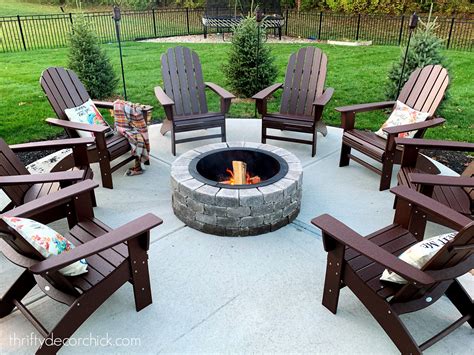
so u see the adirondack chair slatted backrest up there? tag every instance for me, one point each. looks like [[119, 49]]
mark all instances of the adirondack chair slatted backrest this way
[[23, 249], [11, 165], [183, 81], [304, 81], [64, 90], [469, 172], [425, 88], [457, 254]]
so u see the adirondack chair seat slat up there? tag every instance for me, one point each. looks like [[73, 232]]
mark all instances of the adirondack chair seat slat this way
[[423, 91]]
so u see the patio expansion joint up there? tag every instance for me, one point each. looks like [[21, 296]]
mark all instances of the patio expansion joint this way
[[202, 321], [313, 162], [306, 227]]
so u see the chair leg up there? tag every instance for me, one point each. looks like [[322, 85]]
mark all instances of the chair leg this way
[[105, 170], [264, 133], [315, 139], [140, 274], [93, 200], [386, 177], [223, 132], [17, 291], [461, 300], [345, 151], [333, 279], [173, 142]]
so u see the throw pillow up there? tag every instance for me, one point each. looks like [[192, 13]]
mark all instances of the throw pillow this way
[[418, 255], [87, 113], [47, 241], [402, 115]]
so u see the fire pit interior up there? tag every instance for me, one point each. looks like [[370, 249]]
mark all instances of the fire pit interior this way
[[238, 168], [236, 188]]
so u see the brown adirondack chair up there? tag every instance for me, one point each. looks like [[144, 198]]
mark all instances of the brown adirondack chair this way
[[21, 187], [452, 191], [114, 258], [64, 90], [184, 97], [302, 101], [358, 262], [423, 91]]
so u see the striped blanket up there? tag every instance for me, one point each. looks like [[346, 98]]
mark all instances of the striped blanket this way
[[130, 123]]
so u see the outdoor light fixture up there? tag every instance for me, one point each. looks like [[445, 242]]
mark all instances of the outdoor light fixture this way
[[412, 25], [117, 16]]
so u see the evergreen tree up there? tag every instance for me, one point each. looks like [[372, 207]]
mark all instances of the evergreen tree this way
[[247, 52], [90, 62], [425, 48]]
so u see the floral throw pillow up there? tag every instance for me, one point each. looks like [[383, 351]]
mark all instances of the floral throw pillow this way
[[47, 241], [87, 113], [418, 255], [401, 115]]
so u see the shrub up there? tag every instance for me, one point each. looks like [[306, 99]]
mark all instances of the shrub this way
[[247, 51], [90, 62], [425, 48]]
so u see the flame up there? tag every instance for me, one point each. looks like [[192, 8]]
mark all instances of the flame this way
[[249, 179]]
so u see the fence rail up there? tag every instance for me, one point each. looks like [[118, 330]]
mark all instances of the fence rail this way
[[22, 33]]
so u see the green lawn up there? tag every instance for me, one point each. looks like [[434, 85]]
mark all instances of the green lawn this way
[[18, 7], [356, 73]]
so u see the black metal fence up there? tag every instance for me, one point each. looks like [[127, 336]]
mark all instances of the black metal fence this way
[[19, 33]]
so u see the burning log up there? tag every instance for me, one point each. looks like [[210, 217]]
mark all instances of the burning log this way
[[240, 172], [239, 175]]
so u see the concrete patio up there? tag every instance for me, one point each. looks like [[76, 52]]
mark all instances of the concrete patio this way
[[253, 294]]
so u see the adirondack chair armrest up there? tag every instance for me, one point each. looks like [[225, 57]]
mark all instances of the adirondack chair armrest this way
[[414, 126], [52, 144], [343, 234], [435, 144], [164, 99], [365, 107], [61, 197], [223, 93], [226, 97], [263, 94], [442, 213], [120, 235], [62, 176], [96, 129], [440, 180], [324, 98], [104, 104]]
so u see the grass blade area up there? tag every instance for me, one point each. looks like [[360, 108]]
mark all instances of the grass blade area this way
[[357, 74]]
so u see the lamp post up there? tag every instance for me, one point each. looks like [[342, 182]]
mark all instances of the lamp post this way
[[412, 25], [258, 18], [117, 16]]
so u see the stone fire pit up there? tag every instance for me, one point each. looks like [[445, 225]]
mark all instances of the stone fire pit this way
[[238, 210]]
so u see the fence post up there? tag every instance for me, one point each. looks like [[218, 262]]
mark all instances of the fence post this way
[[320, 24], [450, 33], [187, 19], [21, 32], [401, 30], [358, 28], [286, 22], [154, 21]]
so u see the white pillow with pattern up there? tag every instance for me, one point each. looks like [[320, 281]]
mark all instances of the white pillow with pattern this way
[[46, 241], [418, 255], [402, 115]]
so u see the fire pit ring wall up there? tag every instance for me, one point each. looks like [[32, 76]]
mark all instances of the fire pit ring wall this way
[[236, 212]]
